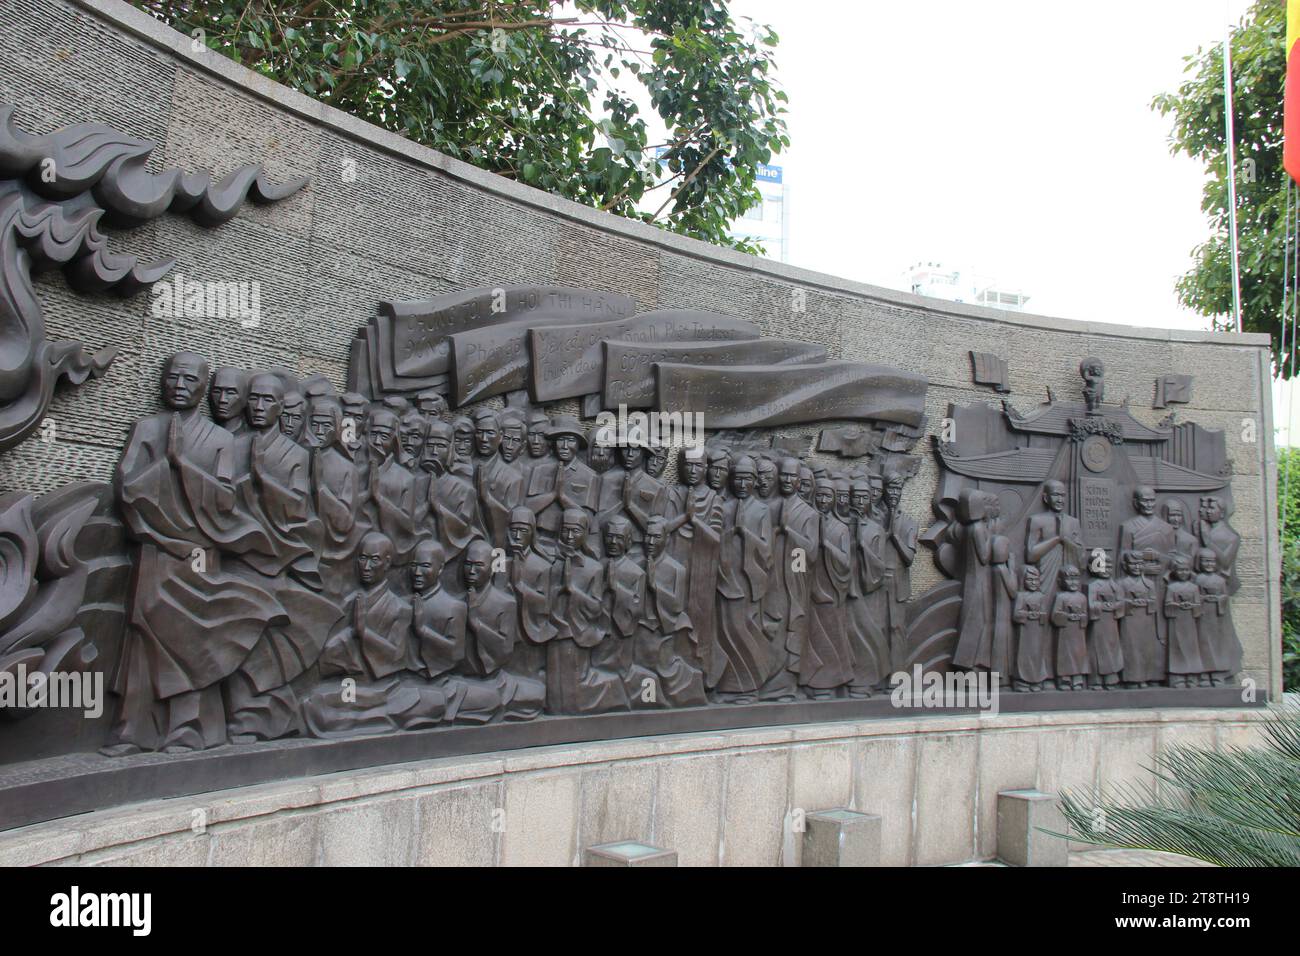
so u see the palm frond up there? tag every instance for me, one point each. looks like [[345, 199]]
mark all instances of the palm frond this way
[[1239, 807]]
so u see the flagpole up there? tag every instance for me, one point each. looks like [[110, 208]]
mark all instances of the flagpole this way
[[1232, 172]]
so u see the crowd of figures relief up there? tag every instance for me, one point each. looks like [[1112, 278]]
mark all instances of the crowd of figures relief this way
[[310, 562]]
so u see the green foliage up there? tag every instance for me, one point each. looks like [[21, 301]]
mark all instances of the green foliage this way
[[1291, 613], [523, 89], [1239, 807], [1197, 108], [1288, 506]]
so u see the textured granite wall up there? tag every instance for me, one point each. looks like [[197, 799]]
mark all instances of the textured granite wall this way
[[383, 218]]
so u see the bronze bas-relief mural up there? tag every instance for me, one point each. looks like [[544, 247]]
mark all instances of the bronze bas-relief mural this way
[[276, 558], [314, 563], [339, 566]]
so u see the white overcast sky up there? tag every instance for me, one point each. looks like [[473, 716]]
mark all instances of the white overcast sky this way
[[1011, 137]]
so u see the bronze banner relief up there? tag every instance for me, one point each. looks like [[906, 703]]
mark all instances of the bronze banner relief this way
[[277, 558]]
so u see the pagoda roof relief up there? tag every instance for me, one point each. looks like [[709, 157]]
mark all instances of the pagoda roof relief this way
[[1054, 418]]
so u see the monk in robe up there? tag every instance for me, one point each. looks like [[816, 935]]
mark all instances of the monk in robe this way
[[1106, 608], [775, 603], [412, 430], [493, 617], [498, 482], [796, 524], [764, 478], [1070, 619], [744, 568], [336, 484], [539, 470], [1182, 608], [866, 604], [1147, 533], [976, 635], [1140, 639], [462, 428], [575, 484], [532, 575], [574, 684], [538, 438], [718, 473], [432, 404], [1212, 531], [390, 499], [806, 485], [827, 659], [645, 495], [1220, 648], [609, 464], [278, 490], [437, 618], [1054, 538], [901, 535], [1150, 536], [227, 397], [663, 638], [1034, 666], [451, 497], [189, 621], [293, 416], [371, 663], [439, 623], [374, 639], [1003, 573], [1185, 542], [278, 495], [699, 526], [625, 587]]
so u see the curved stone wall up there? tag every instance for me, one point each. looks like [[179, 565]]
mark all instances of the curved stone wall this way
[[382, 218], [731, 800]]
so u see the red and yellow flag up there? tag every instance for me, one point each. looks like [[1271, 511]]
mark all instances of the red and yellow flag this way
[[1291, 99]]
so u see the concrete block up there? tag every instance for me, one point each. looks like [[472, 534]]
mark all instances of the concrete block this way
[[628, 853], [1021, 842], [841, 838]]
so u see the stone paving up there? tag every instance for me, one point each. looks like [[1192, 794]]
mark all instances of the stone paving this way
[[1132, 858], [1117, 858]]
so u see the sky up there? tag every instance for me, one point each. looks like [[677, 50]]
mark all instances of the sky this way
[[1013, 138]]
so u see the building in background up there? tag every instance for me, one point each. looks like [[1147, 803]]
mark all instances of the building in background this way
[[768, 223], [962, 285]]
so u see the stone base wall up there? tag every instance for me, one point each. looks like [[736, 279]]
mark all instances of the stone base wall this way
[[727, 799]]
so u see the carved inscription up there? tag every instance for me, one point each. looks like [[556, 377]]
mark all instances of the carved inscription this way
[[751, 396], [1097, 512], [629, 366], [568, 360], [417, 331]]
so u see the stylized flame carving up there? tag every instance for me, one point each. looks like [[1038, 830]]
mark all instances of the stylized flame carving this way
[[54, 190]]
